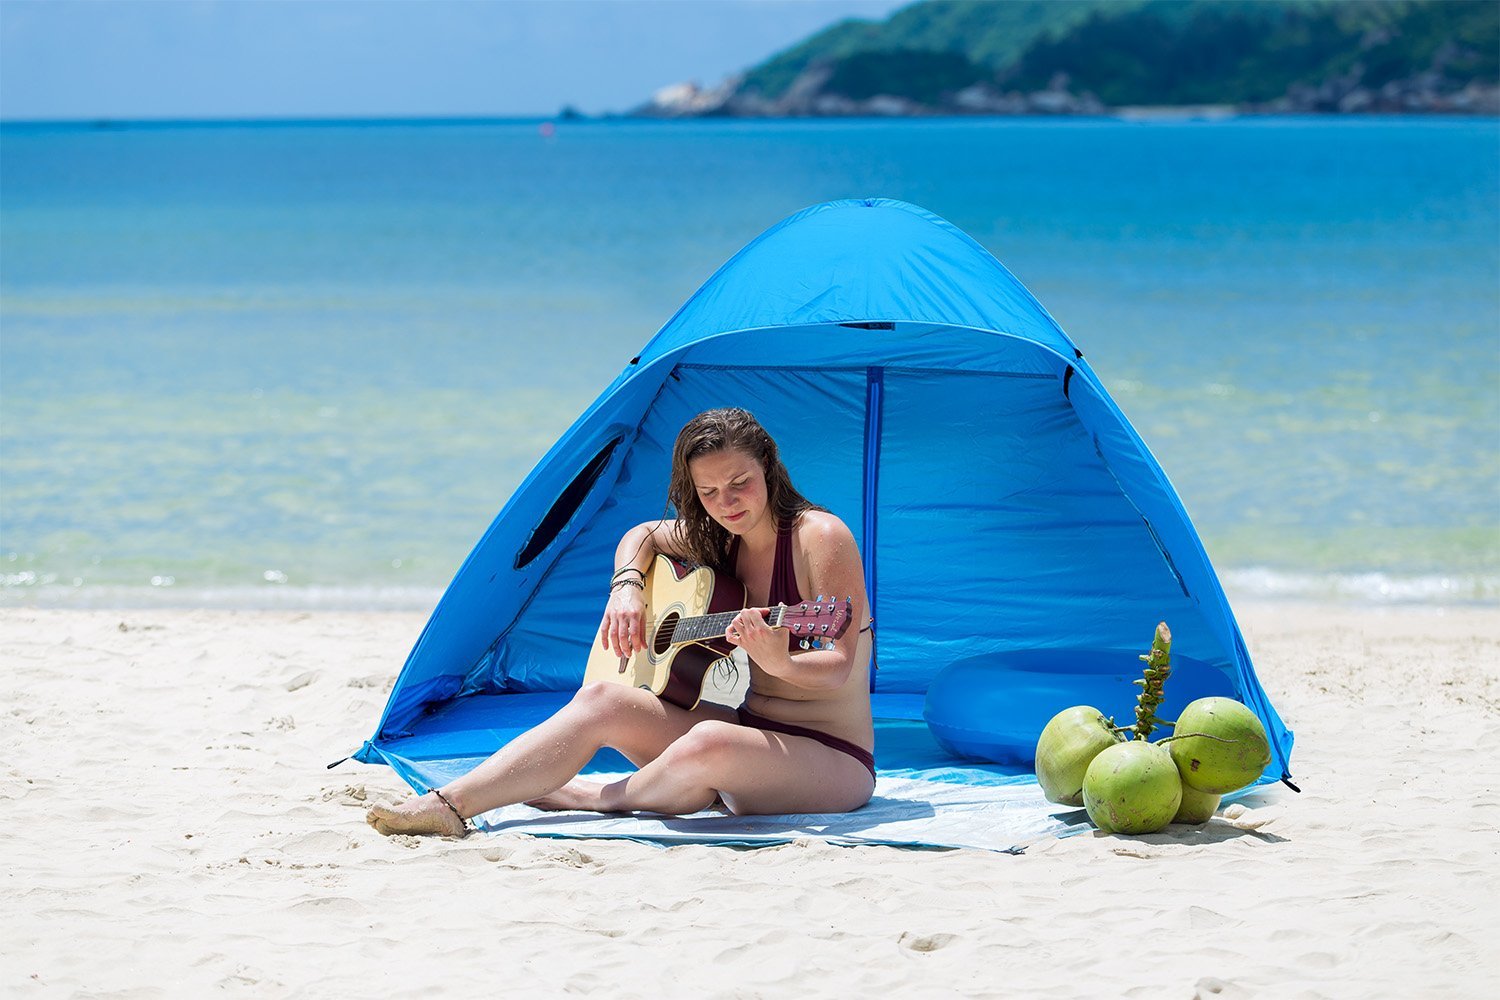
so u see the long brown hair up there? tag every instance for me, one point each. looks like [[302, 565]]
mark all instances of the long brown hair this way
[[730, 428]]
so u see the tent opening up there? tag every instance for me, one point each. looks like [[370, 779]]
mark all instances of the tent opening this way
[[565, 506]]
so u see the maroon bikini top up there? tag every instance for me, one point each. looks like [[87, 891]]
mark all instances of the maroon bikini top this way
[[783, 574]]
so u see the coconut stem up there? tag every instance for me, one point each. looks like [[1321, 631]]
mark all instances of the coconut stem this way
[[1158, 669], [1183, 736]]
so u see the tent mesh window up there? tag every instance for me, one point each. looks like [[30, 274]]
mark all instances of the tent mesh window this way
[[565, 506]]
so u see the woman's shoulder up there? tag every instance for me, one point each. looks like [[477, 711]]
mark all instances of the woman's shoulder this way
[[821, 528]]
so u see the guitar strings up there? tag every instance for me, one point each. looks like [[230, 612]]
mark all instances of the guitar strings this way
[[698, 620]]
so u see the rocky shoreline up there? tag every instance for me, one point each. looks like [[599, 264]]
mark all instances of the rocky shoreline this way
[[1424, 94]]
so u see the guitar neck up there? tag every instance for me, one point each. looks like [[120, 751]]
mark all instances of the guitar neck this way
[[701, 627]]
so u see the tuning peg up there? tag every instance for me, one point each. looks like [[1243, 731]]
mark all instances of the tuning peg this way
[[804, 644], [820, 598]]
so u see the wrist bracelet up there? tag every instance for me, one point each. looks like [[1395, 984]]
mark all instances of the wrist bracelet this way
[[626, 569], [627, 583]]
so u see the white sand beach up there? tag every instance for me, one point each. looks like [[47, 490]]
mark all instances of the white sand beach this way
[[171, 831]]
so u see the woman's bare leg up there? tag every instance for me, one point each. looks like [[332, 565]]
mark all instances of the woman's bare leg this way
[[541, 760], [754, 771]]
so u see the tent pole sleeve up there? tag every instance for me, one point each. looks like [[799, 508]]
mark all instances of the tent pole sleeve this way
[[874, 403]]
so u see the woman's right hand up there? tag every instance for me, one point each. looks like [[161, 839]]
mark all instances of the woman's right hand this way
[[624, 627]]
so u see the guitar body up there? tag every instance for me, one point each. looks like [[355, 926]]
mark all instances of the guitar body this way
[[674, 672]]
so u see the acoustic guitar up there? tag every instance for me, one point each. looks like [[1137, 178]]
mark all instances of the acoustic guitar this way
[[687, 610]]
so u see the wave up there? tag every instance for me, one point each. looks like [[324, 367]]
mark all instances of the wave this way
[[238, 598], [1363, 588], [1256, 583]]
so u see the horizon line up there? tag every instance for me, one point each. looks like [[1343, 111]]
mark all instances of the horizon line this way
[[112, 121], [572, 115]]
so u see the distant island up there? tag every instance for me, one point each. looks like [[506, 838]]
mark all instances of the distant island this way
[[1130, 58]]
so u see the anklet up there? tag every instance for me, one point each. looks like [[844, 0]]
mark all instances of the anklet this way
[[444, 800]]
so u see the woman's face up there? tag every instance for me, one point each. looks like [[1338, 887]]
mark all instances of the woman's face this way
[[731, 486]]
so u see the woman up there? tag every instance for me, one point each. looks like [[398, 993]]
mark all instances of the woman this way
[[801, 742]]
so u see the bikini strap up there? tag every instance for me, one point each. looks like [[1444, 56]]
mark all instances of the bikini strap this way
[[783, 572]]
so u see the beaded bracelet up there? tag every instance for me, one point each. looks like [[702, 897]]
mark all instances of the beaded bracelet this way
[[626, 569], [638, 585]]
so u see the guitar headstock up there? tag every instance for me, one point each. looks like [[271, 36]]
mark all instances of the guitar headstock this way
[[820, 621]]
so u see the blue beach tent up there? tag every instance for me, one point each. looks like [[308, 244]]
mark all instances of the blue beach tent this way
[[1020, 541]]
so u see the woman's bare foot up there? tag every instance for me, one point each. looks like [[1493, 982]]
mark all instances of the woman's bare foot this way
[[425, 815], [576, 794]]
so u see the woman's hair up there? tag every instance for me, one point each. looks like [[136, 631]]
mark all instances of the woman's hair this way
[[731, 428]]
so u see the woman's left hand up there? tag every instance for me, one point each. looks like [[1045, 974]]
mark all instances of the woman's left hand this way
[[750, 632]]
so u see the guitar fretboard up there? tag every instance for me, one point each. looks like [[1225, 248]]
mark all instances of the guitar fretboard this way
[[701, 627]]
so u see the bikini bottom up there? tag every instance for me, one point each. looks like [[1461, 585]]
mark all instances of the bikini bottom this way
[[749, 718]]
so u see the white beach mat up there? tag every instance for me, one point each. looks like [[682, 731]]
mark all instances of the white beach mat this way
[[904, 811]]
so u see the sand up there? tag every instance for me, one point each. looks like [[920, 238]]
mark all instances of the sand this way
[[171, 830]]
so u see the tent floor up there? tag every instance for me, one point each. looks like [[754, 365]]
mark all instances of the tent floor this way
[[924, 796]]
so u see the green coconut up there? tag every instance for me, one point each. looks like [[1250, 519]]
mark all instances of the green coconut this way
[[1132, 788], [1219, 746], [1197, 807], [1068, 744]]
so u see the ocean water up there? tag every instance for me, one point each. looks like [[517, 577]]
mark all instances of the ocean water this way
[[265, 364]]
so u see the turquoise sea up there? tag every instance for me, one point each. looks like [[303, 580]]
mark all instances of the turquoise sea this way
[[265, 364]]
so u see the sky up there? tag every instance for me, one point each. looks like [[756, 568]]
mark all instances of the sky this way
[[91, 59]]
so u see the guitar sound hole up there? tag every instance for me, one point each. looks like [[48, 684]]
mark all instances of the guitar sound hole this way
[[662, 640]]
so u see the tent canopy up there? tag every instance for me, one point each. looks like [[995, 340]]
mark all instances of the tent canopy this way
[[1002, 503]]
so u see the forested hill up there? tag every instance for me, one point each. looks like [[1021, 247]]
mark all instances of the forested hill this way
[[1090, 56]]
